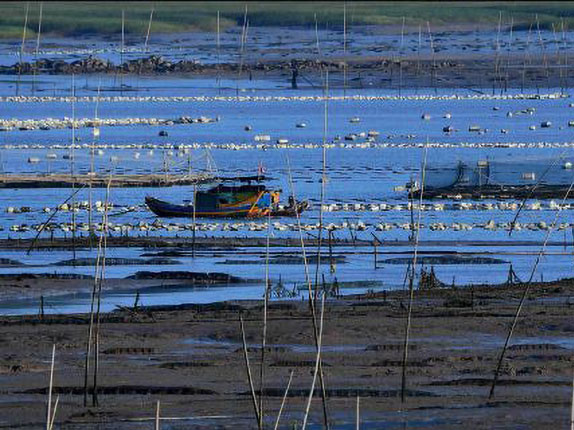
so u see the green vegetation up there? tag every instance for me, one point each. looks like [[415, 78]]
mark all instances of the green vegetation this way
[[76, 18]]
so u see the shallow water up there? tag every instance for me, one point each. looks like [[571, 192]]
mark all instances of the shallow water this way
[[359, 267], [355, 175]]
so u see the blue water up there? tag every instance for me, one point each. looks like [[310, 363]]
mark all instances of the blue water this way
[[356, 174]]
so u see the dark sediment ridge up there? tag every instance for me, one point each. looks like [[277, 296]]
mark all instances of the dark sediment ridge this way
[[117, 262], [193, 277], [185, 244], [409, 72], [445, 259]]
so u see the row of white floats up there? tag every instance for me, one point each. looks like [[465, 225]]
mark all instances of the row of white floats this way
[[293, 227], [186, 99], [501, 206], [335, 207], [308, 145], [60, 123]]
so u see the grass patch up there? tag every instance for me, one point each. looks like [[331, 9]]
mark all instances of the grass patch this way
[[77, 18]]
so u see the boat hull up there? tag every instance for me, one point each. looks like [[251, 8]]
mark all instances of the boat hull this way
[[166, 209]]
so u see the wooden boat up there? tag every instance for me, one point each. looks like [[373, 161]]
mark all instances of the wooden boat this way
[[222, 201], [245, 201]]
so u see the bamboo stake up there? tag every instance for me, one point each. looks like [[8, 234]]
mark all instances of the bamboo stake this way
[[95, 134], [217, 43], [148, 30], [22, 48], [157, 416], [357, 423], [400, 57], [411, 285], [323, 181], [317, 362], [317, 35], [344, 49], [496, 58], [72, 155], [249, 376], [526, 291], [99, 295], [48, 413], [37, 48], [544, 59], [242, 48], [283, 401], [433, 72], [43, 226], [310, 297], [572, 407], [565, 54], [54, 411], [264, 337], [92, 307]]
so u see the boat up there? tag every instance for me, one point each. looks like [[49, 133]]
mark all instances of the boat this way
[[225, 201], [221, 201]]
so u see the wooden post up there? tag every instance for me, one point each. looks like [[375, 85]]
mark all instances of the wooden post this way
[[331, 264], [375, 253], [41, 307]]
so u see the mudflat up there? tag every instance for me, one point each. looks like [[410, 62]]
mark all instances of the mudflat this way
[[191, 359]]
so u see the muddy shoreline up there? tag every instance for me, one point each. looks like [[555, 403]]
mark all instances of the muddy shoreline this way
[[189, 357], [480, 73], [185, 243]]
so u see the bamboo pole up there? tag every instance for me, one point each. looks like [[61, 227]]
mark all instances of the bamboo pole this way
[[357, 415], [284, 400], [526, 291], [264, 336], [400, 57], [49, 410], [433, 72], [157, 426], [217, 44], [317, 35], [241, 49], [43, 226], [344, 49], [99, 295], [95, 135], [249, 376], [72, 155], [411, 285], [317, 363], [22, 48], [36, 51], [310, 297], [323, 181], [148, 30], [54, 412], [572, 406]]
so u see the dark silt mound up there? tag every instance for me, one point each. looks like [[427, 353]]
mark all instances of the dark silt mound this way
[[445, 259]]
